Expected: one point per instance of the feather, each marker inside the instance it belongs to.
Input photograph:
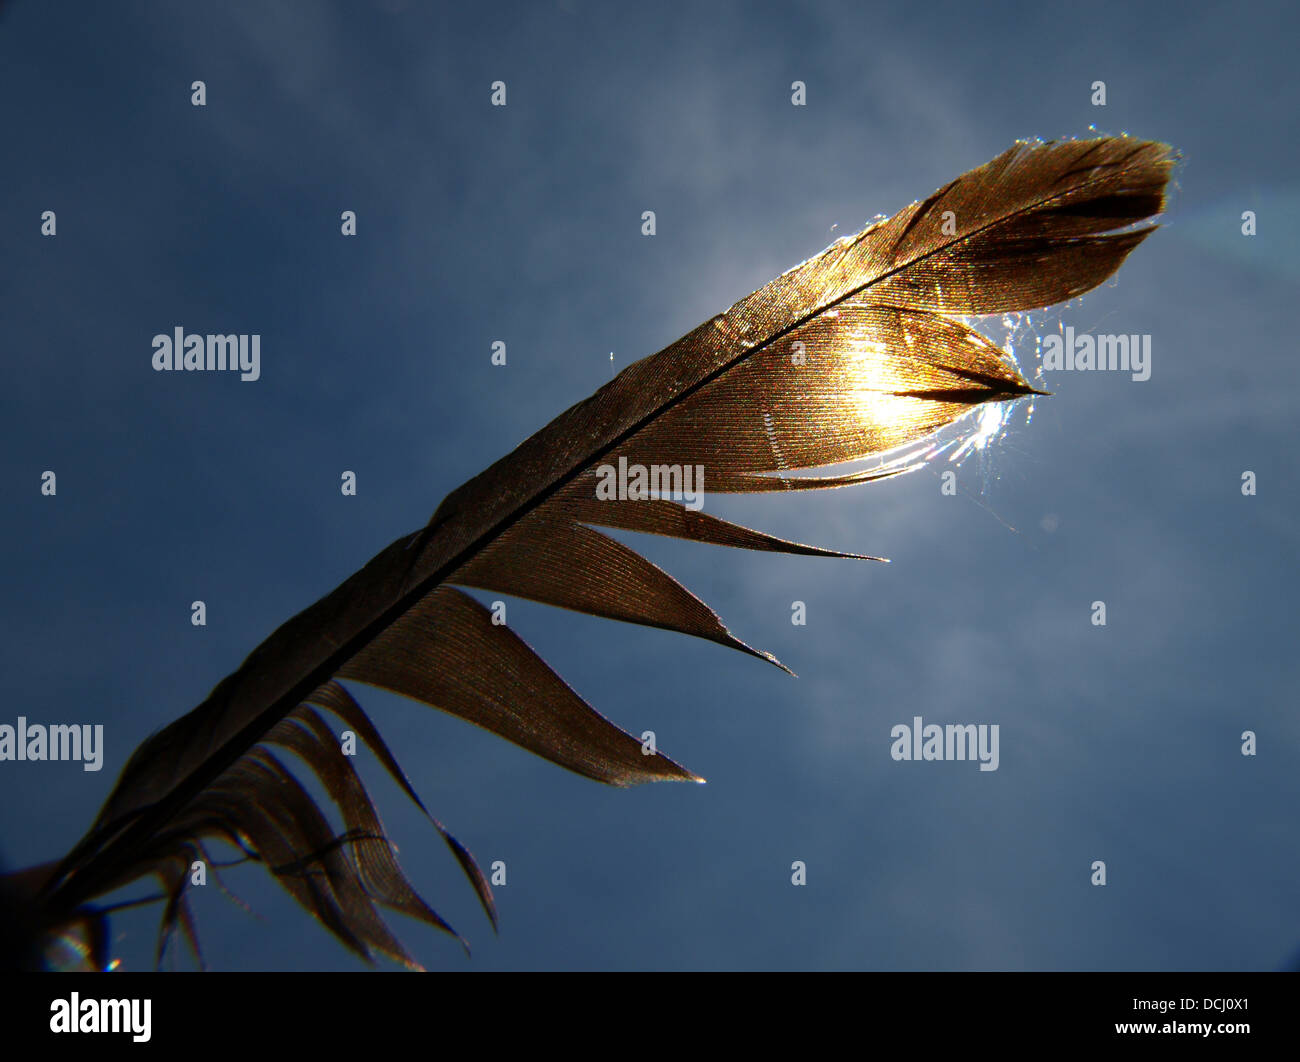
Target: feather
(858, 353)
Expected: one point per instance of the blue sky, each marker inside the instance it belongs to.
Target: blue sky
(522, 224)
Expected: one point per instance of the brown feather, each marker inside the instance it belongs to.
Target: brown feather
(881, 365)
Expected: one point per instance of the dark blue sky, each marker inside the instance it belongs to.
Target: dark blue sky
(522, 224)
